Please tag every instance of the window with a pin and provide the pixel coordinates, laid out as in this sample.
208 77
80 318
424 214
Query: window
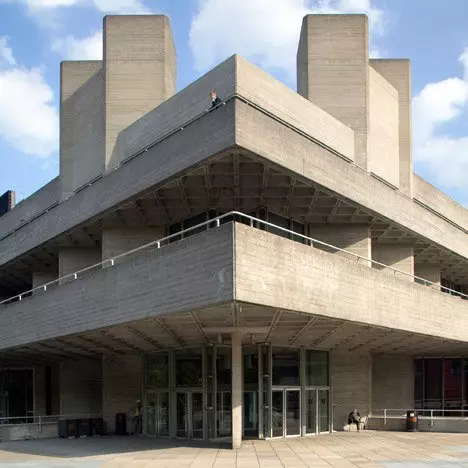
157 371
316 368
286 366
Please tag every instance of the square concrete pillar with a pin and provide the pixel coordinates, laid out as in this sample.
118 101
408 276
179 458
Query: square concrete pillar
400 257
355 238
237 398
333 71
140 72
398 73
72 259
428 272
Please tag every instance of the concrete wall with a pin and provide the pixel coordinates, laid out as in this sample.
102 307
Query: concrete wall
398 73
275 97
116 241
72 259
337 75
196 272
383 129
206 137
81 387
439 202
119 397
81 117
276 272
397 256
140 72
278 144
82 135
392 382
352 237
352 386
26 209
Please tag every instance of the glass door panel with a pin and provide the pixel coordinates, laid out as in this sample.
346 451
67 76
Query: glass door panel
181 414
311 411
250 414
293 412
163 415
277 413
224 406
323 410
197 415
151 411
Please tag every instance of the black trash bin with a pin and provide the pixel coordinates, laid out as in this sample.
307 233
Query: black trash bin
67 428
121 424
411 421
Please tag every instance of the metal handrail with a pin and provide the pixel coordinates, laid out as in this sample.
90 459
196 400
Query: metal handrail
217 222
31 419
186 124
421 414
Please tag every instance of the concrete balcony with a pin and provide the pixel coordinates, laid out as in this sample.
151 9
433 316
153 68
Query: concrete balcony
236 275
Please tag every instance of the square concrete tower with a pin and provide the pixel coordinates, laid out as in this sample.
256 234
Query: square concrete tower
140 72
333 71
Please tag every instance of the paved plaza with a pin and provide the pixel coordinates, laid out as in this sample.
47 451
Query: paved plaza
343 450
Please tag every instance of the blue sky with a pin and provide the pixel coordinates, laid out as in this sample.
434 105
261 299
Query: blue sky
35 35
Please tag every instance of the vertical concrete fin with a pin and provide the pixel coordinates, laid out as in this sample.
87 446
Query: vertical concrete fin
333 71
140 72
398 73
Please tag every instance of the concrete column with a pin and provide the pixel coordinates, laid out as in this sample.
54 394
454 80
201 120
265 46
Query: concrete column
39 278
140 72
428 272
352 237
398 73
237 389
333 71
117 241
397 256
72 259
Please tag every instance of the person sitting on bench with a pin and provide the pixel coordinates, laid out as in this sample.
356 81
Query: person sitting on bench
355 418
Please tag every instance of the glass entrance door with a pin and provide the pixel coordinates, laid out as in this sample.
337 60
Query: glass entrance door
286 412
317 410
157 414
189 414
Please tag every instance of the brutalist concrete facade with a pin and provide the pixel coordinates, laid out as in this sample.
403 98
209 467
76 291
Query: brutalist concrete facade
338 270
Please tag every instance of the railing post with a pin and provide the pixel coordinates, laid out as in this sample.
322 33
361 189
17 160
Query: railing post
40 424
217 222
432 418
385 417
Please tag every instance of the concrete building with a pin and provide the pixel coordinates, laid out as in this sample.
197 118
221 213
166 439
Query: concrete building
289 266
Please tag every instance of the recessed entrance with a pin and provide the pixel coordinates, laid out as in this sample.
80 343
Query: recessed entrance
286 412
317 410
189 414
157 414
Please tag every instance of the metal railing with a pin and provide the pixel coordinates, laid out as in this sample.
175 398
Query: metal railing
41 420
184 125
215 223
431 415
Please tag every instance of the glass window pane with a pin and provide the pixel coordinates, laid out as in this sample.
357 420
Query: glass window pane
286 366
223 368
433 383
418 383
317 368
250 368
157 371
278 220
188 368
452 384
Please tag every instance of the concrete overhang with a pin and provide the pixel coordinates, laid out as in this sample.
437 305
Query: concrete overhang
235 276
262 117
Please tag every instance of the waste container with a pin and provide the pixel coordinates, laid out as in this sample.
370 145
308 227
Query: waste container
121 424
67 428
411 421
82 426
96 427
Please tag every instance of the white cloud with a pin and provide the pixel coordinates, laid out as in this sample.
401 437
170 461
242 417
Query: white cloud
28 118
266 34
87 48
444 157
6 54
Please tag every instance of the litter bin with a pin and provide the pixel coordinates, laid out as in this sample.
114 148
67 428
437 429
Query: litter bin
411 421
121 424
